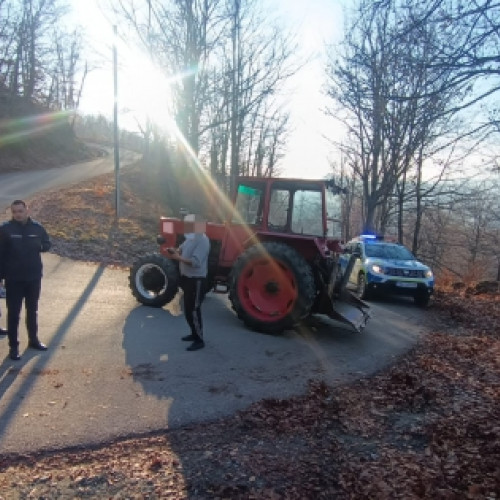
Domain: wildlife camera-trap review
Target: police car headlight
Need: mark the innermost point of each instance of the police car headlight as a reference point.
(377, 269)
(428, 273)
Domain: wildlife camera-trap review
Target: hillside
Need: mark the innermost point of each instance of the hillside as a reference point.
(34, 138)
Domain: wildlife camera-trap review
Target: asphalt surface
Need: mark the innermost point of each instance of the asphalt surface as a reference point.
(115, 368)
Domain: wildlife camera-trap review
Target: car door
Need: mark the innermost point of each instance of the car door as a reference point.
(358, 264)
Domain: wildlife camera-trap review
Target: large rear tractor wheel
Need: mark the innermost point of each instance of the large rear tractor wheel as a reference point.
(154, 280)
(271, 287)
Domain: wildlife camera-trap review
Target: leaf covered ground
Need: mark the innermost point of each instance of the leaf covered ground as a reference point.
(426, 427)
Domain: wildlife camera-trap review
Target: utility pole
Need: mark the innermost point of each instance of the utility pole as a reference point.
(234, 168)
(115, 127)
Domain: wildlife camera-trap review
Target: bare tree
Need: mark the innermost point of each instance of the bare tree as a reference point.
(261, 60)
(38, 60)
(227, 66)
(65, 85)
(470, 48)
(358, 85)
(399, 107)
(181, 37)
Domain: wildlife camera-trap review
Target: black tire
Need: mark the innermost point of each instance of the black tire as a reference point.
(362, 290)
(154, 280)
(293, 275)
(422, 299)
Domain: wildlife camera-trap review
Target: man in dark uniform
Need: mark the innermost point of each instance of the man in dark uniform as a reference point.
(21, 241)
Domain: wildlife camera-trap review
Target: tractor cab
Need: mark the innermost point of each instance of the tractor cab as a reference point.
(304, 214)
(291, 206)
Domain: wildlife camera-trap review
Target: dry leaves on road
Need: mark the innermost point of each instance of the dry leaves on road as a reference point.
(427, 427)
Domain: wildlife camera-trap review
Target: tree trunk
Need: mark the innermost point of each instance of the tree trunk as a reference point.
(418, 208)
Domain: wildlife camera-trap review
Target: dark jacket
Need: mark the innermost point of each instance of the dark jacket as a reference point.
(20, 247)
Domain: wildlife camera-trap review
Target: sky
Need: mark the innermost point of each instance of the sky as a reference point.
(315, 23)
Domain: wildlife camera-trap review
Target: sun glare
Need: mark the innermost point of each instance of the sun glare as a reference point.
(144, 88)
(17, 129)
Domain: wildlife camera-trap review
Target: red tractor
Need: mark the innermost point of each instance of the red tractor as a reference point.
(278, 257)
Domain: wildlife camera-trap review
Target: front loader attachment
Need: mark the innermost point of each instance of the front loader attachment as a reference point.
(340, 304)
(347, 308)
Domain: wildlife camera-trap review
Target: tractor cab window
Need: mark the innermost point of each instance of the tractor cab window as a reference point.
(307, 213)
(248, 205)
(278, 210)
(333, 215)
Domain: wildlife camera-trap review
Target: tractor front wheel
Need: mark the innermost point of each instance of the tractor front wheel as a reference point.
(271, 287)
(154, 280)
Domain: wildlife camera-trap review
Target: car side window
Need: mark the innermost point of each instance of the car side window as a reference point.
(358, 250)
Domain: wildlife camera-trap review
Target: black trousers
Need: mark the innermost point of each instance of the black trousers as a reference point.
(194, 293)
(17, 291)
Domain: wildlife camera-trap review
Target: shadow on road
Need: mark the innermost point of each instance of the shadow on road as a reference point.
(149, 337)
(9, 369)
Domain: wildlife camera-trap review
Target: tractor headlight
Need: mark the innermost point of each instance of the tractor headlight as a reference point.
(377, 269)
(428, 273)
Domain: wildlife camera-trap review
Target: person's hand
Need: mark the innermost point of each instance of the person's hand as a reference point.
(173, 254)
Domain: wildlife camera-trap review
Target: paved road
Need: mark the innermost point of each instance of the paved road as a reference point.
(116, 368)
(22, 185)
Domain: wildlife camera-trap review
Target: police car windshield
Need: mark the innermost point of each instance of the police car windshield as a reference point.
(385, 251)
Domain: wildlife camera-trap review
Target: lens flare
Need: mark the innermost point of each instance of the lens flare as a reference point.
(16, 129)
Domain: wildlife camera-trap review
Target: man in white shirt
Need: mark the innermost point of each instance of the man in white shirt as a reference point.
(192, 255)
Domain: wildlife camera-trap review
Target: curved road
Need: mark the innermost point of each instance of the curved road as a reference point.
(22, 185)
(115, 368)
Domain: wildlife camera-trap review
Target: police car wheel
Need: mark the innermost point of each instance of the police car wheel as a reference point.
(421, 299)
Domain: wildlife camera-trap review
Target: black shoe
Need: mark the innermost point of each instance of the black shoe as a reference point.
(38, 346)
(189, 338)
(3, 332)
(197, 344)
(14, 354)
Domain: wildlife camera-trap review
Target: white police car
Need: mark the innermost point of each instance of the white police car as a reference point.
(386, 267)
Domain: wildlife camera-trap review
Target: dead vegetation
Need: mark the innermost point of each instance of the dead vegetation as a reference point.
(82, 224)
(427, 427)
